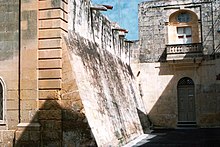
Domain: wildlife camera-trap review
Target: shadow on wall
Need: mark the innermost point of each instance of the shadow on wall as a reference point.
(163, 114)
(145, 121)
(54, 126)
(170, 110)
(166, 110)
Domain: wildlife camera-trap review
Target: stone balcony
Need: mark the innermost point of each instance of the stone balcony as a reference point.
(184, 48)
(181, 51)
(184, 53)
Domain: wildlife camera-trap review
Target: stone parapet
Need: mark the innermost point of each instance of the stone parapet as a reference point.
(92, 25)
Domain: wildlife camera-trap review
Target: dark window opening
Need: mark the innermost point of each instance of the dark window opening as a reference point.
(183, 17)
(185, 81)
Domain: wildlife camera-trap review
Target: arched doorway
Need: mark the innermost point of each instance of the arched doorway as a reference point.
(1, 101)
(186, 101)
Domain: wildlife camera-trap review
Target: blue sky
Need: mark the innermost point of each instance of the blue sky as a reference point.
(125, 13)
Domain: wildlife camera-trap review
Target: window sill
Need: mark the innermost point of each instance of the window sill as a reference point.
(3, 126)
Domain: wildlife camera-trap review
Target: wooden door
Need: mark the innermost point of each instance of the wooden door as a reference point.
(186, 101)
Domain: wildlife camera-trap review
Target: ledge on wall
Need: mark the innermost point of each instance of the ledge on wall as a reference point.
(180, 60)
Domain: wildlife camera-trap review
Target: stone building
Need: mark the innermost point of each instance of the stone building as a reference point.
(177, 62)
(64, 76)
(66, 79)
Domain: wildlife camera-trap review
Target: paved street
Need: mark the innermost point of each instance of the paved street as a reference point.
(180, 138)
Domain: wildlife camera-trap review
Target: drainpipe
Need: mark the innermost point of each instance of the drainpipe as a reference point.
(19, 63)
(213, 35)
(200, 9)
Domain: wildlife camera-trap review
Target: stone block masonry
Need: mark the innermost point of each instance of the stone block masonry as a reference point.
(105, 87)
(154, 26)
(52, 26)
(9, 51)
(159, 77)
(53, 23)
(65, 76)
(104, 80)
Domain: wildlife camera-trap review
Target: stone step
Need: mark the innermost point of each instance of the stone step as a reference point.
(187, 124)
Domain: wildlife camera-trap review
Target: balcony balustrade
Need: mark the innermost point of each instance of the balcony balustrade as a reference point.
(184, 48)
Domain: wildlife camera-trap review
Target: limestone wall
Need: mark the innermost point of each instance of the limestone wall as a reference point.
(52, 25)
(9, 52)
(158, 92)
(107, 91)
(104, 81)
(160, 96)
(154, 26)
(207, 92)
(159, 86)
(74, 92)
(94, 26)
(28, 75)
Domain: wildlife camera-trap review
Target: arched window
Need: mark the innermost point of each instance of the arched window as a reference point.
(183, 28)
(184, 17)
(185, 81)
(2, 101)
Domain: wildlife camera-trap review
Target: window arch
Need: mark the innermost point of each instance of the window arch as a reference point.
(185, 81)
(183, 17)
(2, 101)
(183, 28)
